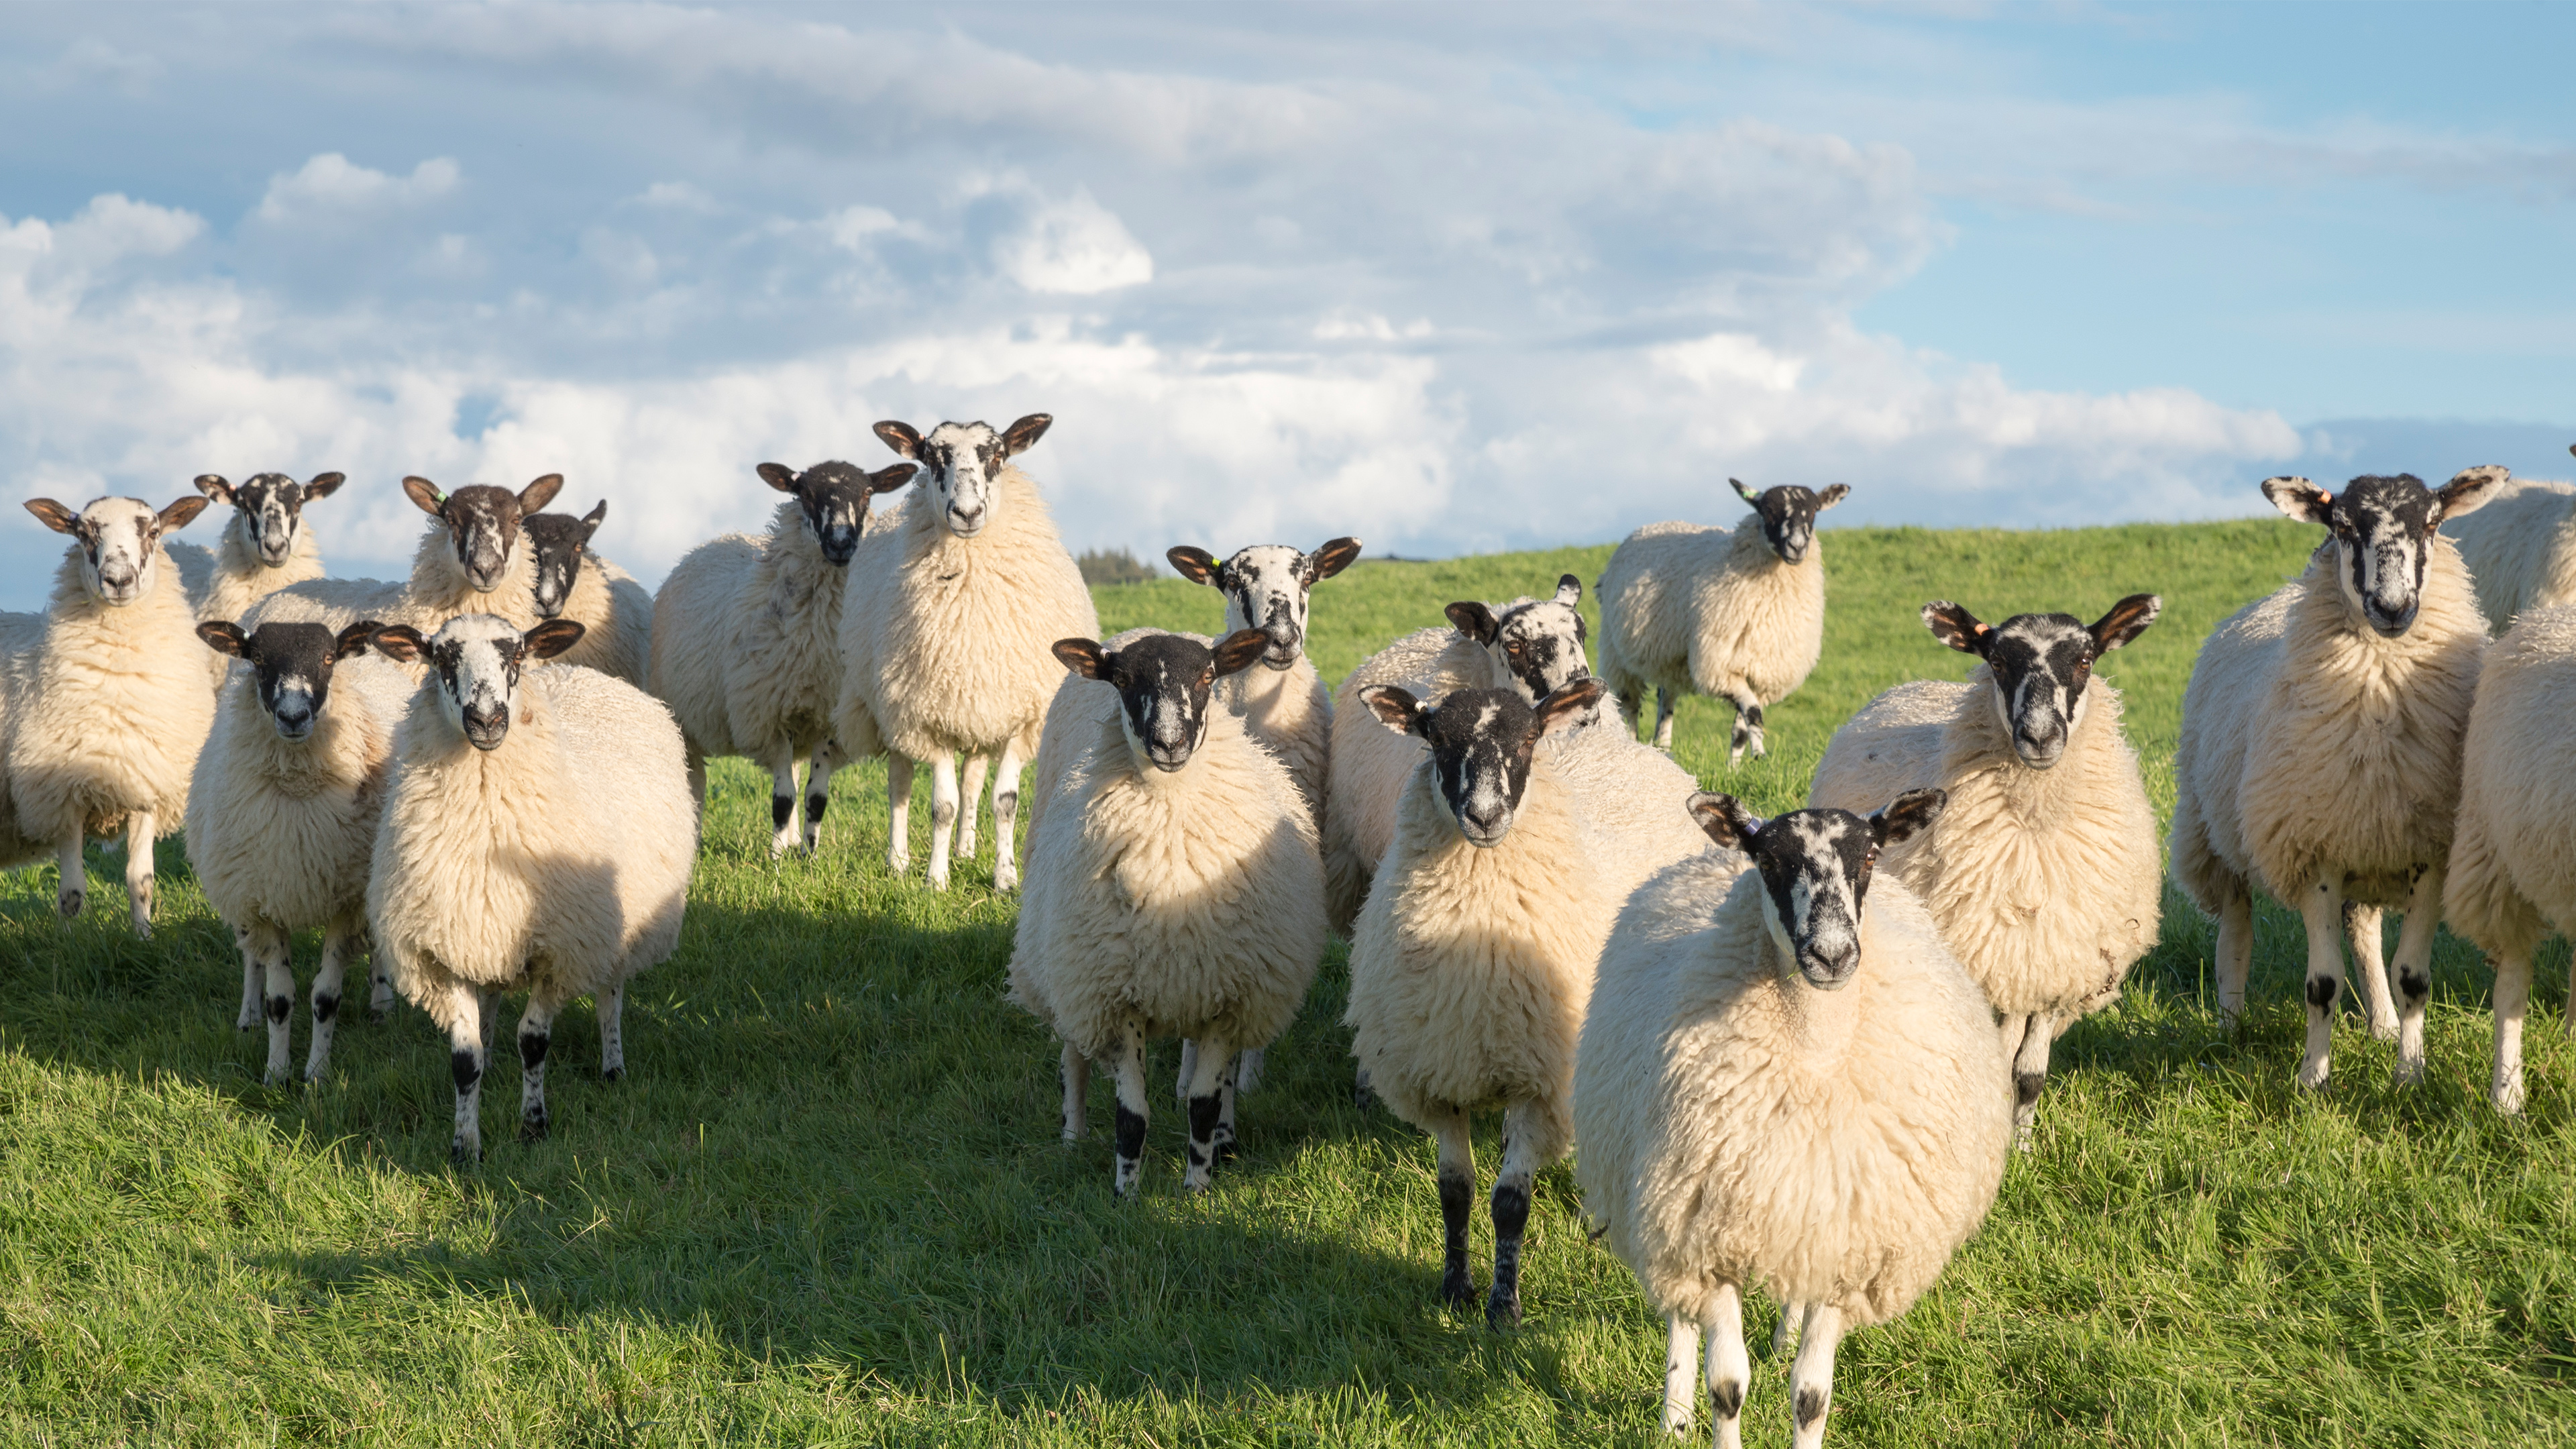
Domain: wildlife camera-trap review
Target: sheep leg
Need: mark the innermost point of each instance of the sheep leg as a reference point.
(2512, 1003)
(277, 995)
(2413, 973)
(2030, 1073)
(1681, 1369)
(1189, 1069)
(1364, 1096)
(1664, 719)
(818, 791)
(138, 871)
(1207, 1110)
(466, 1053)
(1730, 1368)
(1006, 815)
(74, 886)
(1457, 1191)
(340, 940)
(536, 1034)
(943, 815)
(697, 775)
(1127, 1059)
(782, 801)
(1784, 1329)
(1511, 1212)
(2322, 910)
(1811, 1378)
(2361, 932)
(1225, 1136)
(252, 979)
(1247, 1069)
(2235, 953)
(971, 789)
(609, 1005)
(1075, 1068)
(898, 814)
(380, 977)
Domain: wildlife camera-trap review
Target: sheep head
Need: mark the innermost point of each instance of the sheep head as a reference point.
(962, 465)
(2381, 529)
(2039, 664)
(1538, 643)
(1789, 515)
(476, 659)
(1266, 587)
(834, 500)
(1482, 741)
(271, 507)
(1815, 867)
(1164, 682)
(120, 541)
(290, 664)
(483, 523)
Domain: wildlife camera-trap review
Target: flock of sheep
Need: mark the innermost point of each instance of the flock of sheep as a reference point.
(1785, 1071)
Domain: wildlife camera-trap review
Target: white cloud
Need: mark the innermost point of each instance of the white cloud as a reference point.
(332, 184)
(1076, 247)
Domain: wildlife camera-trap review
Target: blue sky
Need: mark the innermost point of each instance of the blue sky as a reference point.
(1451, 279)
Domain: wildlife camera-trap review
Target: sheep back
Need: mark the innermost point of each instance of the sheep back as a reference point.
(283, 832)
(2513, 863)
(693, 637)
(1632, 802)
(1689, 608)
(784, 673)
(616, 614)
(116, 712)
(2520, 549)
(22, 642)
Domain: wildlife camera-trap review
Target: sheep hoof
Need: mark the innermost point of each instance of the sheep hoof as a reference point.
(2313, 1077)
(274, 1077)
(465, 1154)
(142, 926)
(2410, 1071)
(533, 1128)
(612, 1074)
(1503, 1313)
(1456, 1291)
(70, 903)
(1005, 879)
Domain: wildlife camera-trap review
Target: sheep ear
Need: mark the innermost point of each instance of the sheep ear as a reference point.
(1397, 709)
(55, 516)
(1238, 650)
(1084, 657)
(1724, 819)
(2468, 491)
(1194, 563)
(552, 637)
(1747, 494)
(1833, 494)
(535, 497)
(1956, 627)
(1569, 590)
(1565, 704)
(323, 485)
(886, 480)
(1908, 814)
(225, 638)
(1023, 435)
(1474, 620)
(1331, 559)
(778, 476)
(425, 496)
(400, 642)
(353, 641)
(2299, 499)
(2127, 620)
(182, 513)
(591, 521)
(901, 438)
(214, 487)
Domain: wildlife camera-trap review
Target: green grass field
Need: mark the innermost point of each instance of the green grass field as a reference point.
(828, 1204)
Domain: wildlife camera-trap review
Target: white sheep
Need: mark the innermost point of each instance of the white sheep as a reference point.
(2045, 874)
(1174, 889)
(537, 836)
(1284, 704)
(116, 704)
(2320, 749)
(1738, 615)
(282, 813)
(1786, 1081)
(474, 557)
(22, 645)
(1473, 959)
(571, 582)
(2520, 548)
(265, 547)
(945, 631)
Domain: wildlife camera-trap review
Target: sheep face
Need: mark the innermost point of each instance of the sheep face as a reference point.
(271, 507)
(1815, 867)
(2039, 665)
(1266, 587)
(833, 497)
(1789, 515)
(555, 542)
(291, 664)
(477, 658)
(1481, 744)
(2382, 532)
(963, 465)
(483, 523)
(120, 540)
(1539, 644)
(1163, 682)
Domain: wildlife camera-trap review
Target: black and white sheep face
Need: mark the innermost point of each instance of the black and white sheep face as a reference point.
(2382, 532)
(962, 465)
(833, 498)
(271, 507)
(2039, 665)
(483, 522)
(291, 665)
(120, 540)
(1815, 867)
(555, 544)
(1163, 683)
(1267, 587)
(1481, 744)
(476, 659)
(1539, 644)
(1788, 515)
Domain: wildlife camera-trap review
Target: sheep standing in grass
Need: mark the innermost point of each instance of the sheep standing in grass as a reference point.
(1284, 704)
(116, 706)
(537, 835)
(282, 813)
(1174, 889)
(22, 650)
(2520, 548)
(265, 547)
(2320, 749)
(1738, 615)
(2044, 873)
(946, 630)
(1472, 961)
(475, 556)
(1787, 1081)
(571, 582)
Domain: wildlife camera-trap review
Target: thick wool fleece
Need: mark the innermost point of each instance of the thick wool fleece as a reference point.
(2520, 548)
(234, 577)
(1370, 762)
(2045, 883)
(1741, 1126)
(1632, 801)
(22, 643)
(946, 641)
(616, 613)
(1712, 610)
(2513, 864)
(1471, 966)
(560, 858)
(2310, 741)
(1291, 712)
(281, 830)
(116, 711)
(1191, 902)
(694, 627)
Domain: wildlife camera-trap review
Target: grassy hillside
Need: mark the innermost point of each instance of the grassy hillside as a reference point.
(828, 1206)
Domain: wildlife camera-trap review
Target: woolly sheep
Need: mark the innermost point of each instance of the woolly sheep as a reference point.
(116, 705)
(2320, 749)
(474, 557)
(22, 643)
(615, 612)
(282, 813)
(265, 547)
(537, 835)
(1473, 959)
(1738, 615)
(2044, 874)
(1787, 1081)
(945, 632)
(2520, 548)
(1174, 889)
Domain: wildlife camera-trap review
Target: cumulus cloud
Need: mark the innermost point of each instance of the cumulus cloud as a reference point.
(332, 185)
(1075, 246)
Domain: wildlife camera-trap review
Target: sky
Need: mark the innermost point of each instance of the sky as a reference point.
(1449, 278)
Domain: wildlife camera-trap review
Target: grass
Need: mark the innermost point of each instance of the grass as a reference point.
(827, 1205)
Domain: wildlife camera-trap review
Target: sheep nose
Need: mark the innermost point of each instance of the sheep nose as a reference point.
(294, 718)
(1485, 823)
(1829, 967)
(484, 728)
(840, 542)
(2393, 621)
(967, 519)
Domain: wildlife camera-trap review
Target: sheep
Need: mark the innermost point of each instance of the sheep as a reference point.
(746, 639)
(116, 704)
(22, 642)
(282, 813)
(615, 611)
(1786, 1079)
(1174, 889)
(2520, 548)
(537, 834)
(1284, 704)
(2045, 874)
(1736, 615)
(1472, 961)
(473, 557)
(264, 547)
(944, 639)
(2320, 749)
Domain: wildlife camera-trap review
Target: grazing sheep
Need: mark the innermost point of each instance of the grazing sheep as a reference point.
(2520, 548)
(615, 612)
(1738, 615)
(1174, 890)
(537, 835)
(944, 636)
(1786, 1081)
(746, 638)
(264, 547)
(2044, 874)
(282, 813)
(2320, 749)
(116, 706)
(475, 557)
(1472, 962)
(1284, 704)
